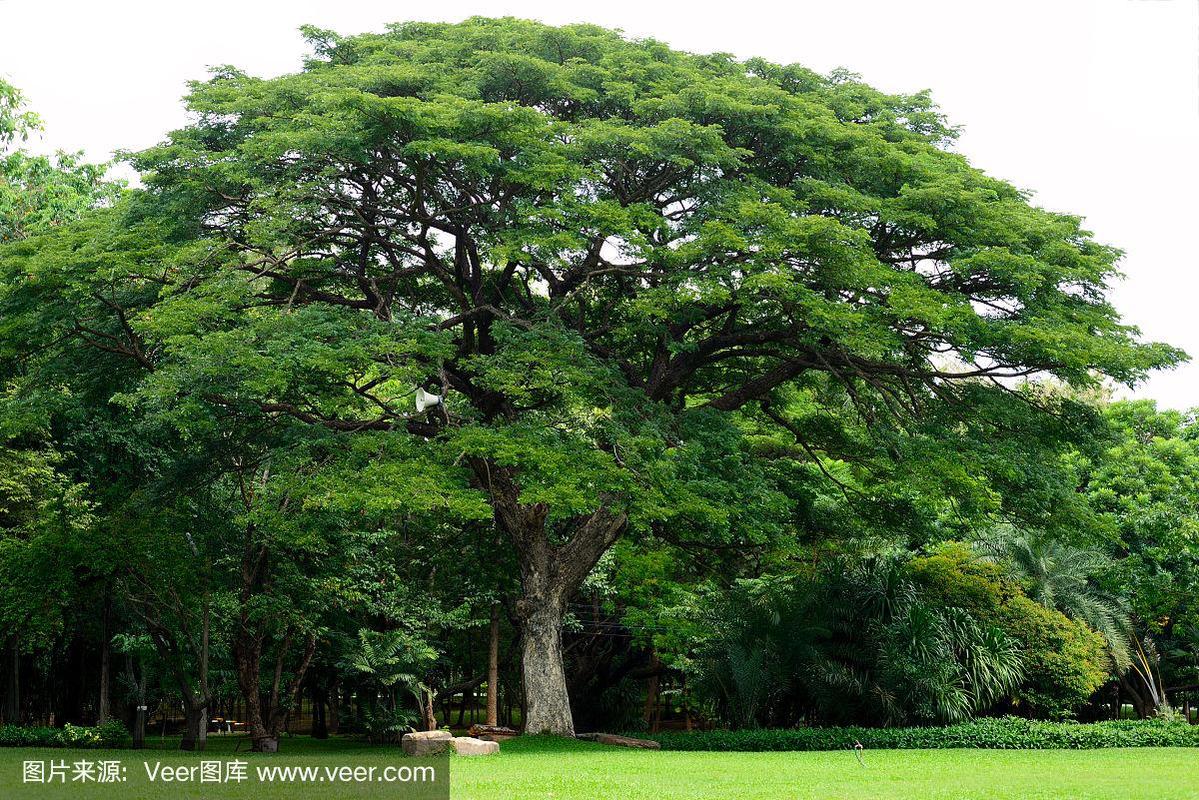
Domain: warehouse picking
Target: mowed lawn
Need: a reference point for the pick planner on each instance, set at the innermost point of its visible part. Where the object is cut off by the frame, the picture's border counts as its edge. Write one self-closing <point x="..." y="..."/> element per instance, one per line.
<point x="577" y="771"/>
<point x="536" y="768"/>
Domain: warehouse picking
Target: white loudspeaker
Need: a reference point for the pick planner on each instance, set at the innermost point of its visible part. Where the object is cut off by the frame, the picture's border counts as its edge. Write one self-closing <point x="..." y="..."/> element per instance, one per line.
<point x="425" y="400"/>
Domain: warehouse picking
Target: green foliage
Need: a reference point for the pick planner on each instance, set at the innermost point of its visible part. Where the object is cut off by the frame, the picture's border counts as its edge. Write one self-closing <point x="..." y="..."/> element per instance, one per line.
<point x="583" y="239"/>
<point x="381" y="724"/>
<point x="1064" y="660"/>
<point x="39" y="192"/>
<point x="1065" y="577"/>
<point x="1007" y="733"/>
<point x="912" y="659"/>
<point x="110" y="735"/>
<point x="390" y="659"/>
<point x="384" y="663"/>
<point x="725" y="310"/>
<point x="1145" y="487"/>
<point x="44" y="516"/>
<point x="884" y="640"/>
<point x="858" y="640"/>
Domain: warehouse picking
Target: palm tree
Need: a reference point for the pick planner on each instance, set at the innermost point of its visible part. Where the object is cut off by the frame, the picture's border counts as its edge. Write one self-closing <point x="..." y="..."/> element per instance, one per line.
<point x="900" y="658"/>
<point x="1062" y="577"/>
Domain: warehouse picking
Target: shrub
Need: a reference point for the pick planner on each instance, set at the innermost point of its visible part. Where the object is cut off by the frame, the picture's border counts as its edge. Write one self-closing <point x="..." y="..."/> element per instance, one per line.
<point x="1005" y="733"/>
<point x="1065" y="662"/>
<point x="110" y="734"/>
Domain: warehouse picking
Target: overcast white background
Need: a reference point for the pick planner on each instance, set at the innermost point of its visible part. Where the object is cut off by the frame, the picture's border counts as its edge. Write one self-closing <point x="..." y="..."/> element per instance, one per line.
<point x="1091" y="104"/>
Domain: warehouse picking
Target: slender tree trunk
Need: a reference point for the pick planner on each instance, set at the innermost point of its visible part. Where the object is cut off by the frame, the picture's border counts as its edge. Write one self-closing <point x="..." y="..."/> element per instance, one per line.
<point x="651" y="695"/>
<point x="247" y="647"/>
<point x="266" y="720"/>
<point x="105" y="654"/>
<point x="333" y="721"/>
<point x="493" y="667"/>
<point x="686" y="705"/>
<point x="139" y="726"/>
<point x="468" y="696"/>
<point x="320" y="728"/>
<point x="139" y="699"/>
<point x="428" y="713"/>
<point x="262" y="740"/>
<point x="12" y="697"/>
<point x="195" y="704"/>
<point x="1142" y="705"/>
<point x="205" y="699"/>
<point x="247" y="657"/>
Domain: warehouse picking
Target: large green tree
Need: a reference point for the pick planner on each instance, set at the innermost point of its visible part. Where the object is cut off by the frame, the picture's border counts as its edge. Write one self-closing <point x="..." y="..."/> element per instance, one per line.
<point x="1145" y="490"/>
<point x="604" y="255"/>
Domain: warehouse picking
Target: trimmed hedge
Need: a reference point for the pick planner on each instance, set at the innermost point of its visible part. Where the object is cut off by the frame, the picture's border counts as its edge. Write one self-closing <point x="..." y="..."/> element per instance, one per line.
<point x="110" y="734"/>
<point x="1007" y="733"/>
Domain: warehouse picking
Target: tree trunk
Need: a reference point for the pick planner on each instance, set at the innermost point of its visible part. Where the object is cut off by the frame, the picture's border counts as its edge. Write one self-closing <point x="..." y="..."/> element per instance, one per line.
<point x="1142" y="705"/>
<point x="139" y="699"/>
<point x="195" y="734"/>
<point x="265" y="720"/>
<point x="550" y="573"/>
<point x="247" y="653"/>
<point x="468" y="696"/>
<point x="544" y="675"/>
<point x="333" y="713"/>
<point x="686" y="705"/>
<point x="493" y="667"/>
<point x="320" y="729"/>
<point x="262" y="739"/>
<point x="105" y="654"/>
<point x="247" y="661"/>
<point x="428" y="713"/>
<point x="12" y="697"/>
<point x="651" y="695"/>
<point x="139" y="726"/>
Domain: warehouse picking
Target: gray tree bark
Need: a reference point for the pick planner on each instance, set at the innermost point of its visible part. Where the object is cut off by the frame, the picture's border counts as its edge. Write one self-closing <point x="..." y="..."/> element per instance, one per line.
<point x="551" y="571"/>
<point x="139" y="693"/>
<point x="493" y="667"/>
<point x="548" y="708"/>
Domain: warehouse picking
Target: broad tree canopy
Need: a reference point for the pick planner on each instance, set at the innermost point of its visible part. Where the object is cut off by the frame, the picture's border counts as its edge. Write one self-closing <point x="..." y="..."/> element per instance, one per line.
<point x="606" y="256"/>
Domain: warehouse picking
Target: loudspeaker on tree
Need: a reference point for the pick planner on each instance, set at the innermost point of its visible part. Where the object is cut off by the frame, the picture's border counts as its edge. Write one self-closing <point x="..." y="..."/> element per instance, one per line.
<point x="425" y="400"/>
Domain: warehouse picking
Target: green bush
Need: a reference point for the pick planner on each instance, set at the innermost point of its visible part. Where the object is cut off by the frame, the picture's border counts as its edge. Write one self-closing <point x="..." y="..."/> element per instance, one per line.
<point x="110" y="734"/>
<point x="1065" y="662"/>
<point x="1006" y="733"/>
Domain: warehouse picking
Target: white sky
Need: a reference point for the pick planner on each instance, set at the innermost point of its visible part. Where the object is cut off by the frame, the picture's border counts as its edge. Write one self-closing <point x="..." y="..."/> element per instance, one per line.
<point x="1092" y="104"/>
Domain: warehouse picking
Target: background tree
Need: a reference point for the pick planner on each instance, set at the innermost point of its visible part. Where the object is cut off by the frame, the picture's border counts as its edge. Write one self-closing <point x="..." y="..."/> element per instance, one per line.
<point x="39" y="191"/>
<point x="1145" y="489"/>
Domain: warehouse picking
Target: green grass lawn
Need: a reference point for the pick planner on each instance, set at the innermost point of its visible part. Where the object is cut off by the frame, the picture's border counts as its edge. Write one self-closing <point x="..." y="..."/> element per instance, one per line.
<point x="540" y="768"/>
